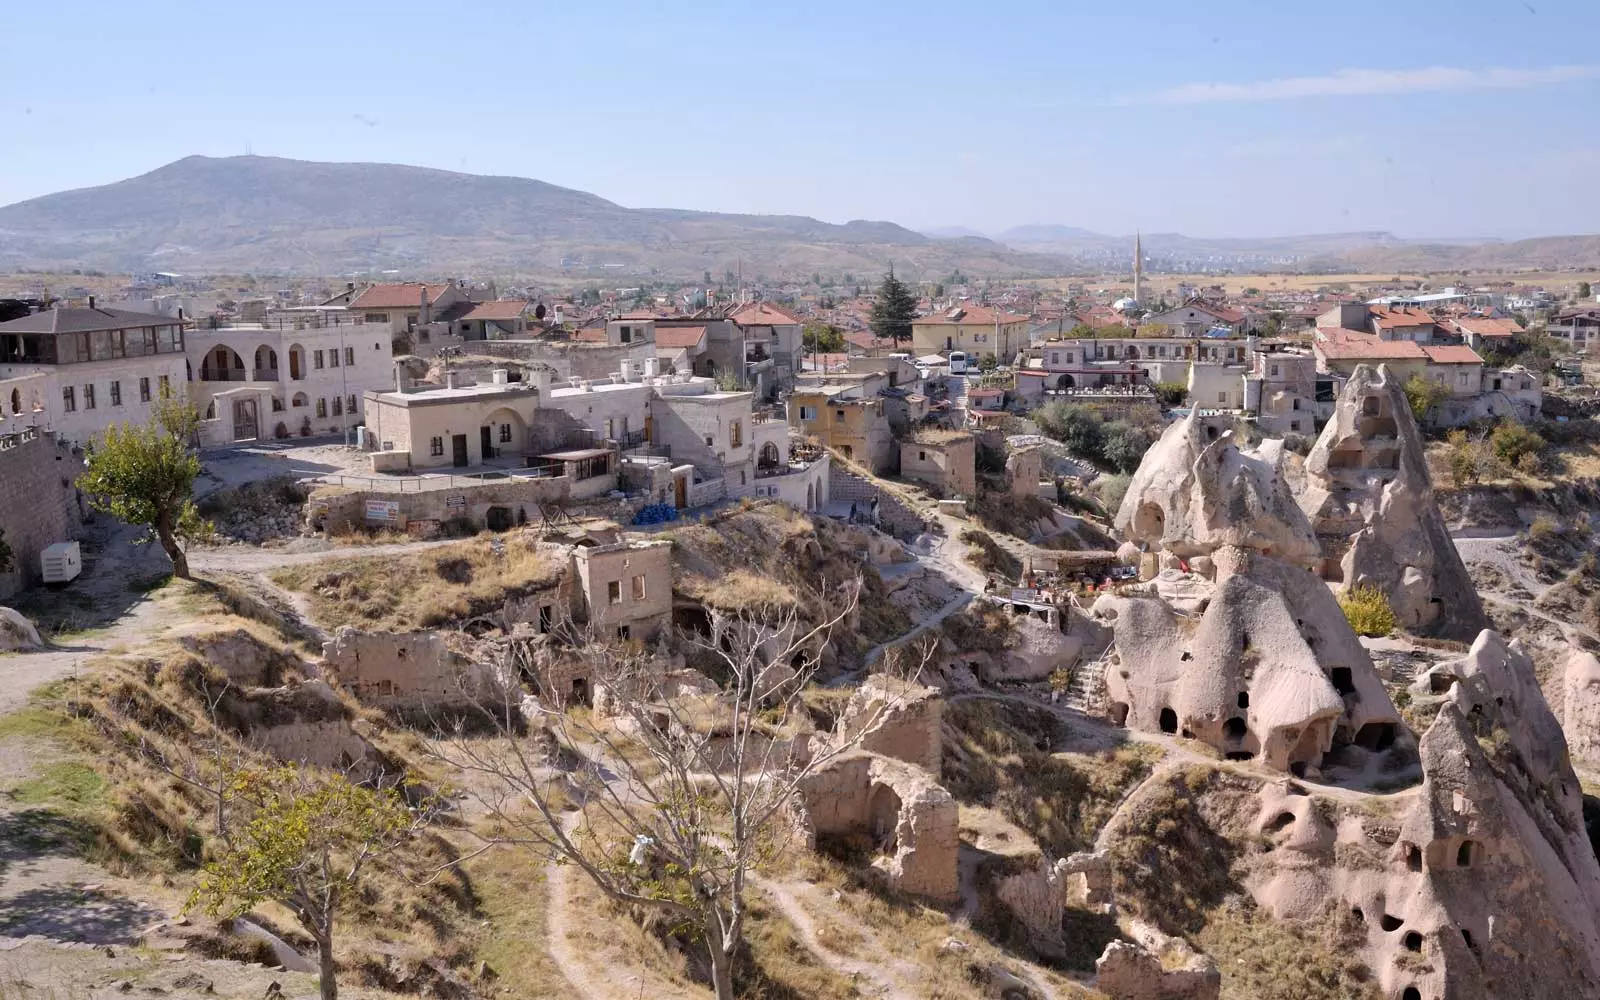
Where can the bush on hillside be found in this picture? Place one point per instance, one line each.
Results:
(1367, 610)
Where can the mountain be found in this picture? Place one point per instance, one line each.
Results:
(1046, 233)
(952, 233)
(257, 213)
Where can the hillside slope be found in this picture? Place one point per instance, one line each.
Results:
(273, 214)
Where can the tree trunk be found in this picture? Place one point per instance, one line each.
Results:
(169, 541)
(721, 961)
(327, 978)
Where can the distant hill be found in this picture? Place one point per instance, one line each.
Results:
(256, 213)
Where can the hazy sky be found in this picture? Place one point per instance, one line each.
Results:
(1423, 117)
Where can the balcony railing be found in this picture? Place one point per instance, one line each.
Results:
(224, 375)
(266, 375)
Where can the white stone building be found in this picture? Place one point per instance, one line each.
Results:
(77, 371)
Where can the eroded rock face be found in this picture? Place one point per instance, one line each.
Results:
(1270, 669)
(1581, 711)
(897, 719)
(908, 816)
(16, 632)
(1480, 885)
(1196, 491)
(1367, 493)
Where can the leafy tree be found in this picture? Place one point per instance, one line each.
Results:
(1123, 445)
(1368, 611)
(1077, 427)
(822, 338)
(988, 363)
(893, 309)
(145, 476)
(8, 560)
(1423, 395)
(1512, 441)
(309, 843)
(1082, 331)
(1171, 393)
(1584, 291)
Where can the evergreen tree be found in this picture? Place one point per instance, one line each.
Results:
(893, 310)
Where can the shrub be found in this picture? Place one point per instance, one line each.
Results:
(1367, 610)
(1123, 445)
(1111, 490)
(1171, 393)
(1300, 444)
(1423, 395)
(1512, 441)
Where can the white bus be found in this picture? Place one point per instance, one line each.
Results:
(958, 362)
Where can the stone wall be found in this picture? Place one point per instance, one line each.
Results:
(335, 508)
(411, 673)
(38, 503)
(895, 515)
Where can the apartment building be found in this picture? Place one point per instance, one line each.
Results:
(977, 330)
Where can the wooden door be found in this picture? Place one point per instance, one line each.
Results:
(458, 444)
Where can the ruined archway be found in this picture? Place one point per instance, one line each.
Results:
(883, 819)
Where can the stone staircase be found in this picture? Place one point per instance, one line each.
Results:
(958, 390)
(1086, 693)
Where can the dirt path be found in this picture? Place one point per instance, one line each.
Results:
(558, 887)
(878, 978)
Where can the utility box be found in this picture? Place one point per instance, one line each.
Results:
(61, 562)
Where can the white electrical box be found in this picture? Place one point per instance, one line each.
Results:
(61, 562)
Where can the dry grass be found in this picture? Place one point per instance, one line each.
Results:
(993, 757)
(1263, 957)
(742, 590)
(428, 589)
(515, 907)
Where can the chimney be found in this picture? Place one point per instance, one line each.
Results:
(399, 379)
(349, 286)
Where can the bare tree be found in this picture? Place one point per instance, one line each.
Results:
(225, 761)
(681, 789)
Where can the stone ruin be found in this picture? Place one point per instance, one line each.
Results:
(1257, 659)
(1367, 493)
(1155, 966)
(887, 789)
(1036, 892)
(415, 675)
(911, 820)
(1481, 884)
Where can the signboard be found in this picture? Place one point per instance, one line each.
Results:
(387, 511)
(455, 503)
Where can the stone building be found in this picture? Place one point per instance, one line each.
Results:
(38, 502)
(854, 426)
(943, 459)
(626, 587)
(80, 370)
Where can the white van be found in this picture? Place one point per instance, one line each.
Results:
(958, 362)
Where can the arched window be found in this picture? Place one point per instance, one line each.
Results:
(769, 456)
(16, 400)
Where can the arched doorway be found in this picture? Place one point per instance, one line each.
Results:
(503, 432)
(883, 819)
(768, 459)
(811, 496)
(297, 362)
(16, 400)
(266, 369)
(1065, 382)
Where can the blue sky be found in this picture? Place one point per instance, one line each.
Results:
(1213, 118)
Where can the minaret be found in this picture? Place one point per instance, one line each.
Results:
(1138, 270)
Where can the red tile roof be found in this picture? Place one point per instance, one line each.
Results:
(970, 316)
(1344, 345)
(1483, 327)
(762, 314)
(396, 296)
(590, 335)
(1387, 317)
(1451, 354)
(675, 337)
(497, 309)
(865, 340)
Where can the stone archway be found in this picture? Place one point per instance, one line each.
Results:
(883, 819)
(266, 364)
(223, 364)
(1066, 382)
(506, 432)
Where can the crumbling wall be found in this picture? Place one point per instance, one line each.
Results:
(897, 719)
(411, 673)
(910, 819)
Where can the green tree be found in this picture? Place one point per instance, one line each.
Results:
(1123, 445)
(1423, 395)
(309, 844)
(822, 338)
(145, 476)
(1584, 291)
(1512, 441)
(1171, 393)
(1082, 331)
(1077, 427)
(893, 309)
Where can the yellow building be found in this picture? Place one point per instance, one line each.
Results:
(856, 428)
(977, 330)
